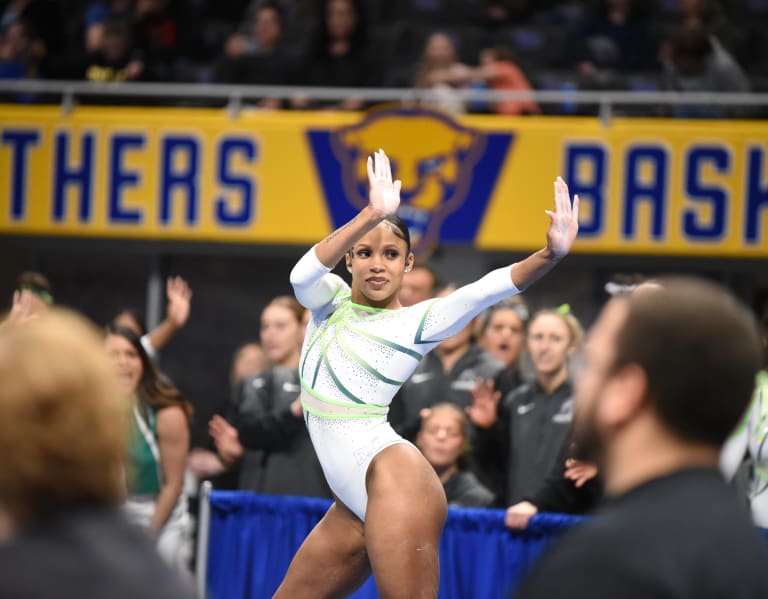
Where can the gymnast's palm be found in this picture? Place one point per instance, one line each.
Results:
(384, 195)
(563, 222)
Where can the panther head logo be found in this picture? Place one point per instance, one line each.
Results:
(433, 156)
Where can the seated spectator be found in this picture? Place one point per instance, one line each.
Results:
(499, 71)
(97, 15)
(709, 16)
(532, 422)
(166, 35)
(444, 440)
(339, 57)
(694, 61)
(614, 37)
(158, 447)
(17, 55)
(438, 68)
(117, 59)
(44, 21)
(259, 58)
(62, 438)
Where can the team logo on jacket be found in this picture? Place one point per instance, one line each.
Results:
(448, 171)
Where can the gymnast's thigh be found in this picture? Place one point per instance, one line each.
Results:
(404, 520)
(332, 561)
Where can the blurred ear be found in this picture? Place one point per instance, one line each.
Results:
(409, 262)
(624, 396)
(348, 261)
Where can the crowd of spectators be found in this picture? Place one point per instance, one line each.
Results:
(689, 45)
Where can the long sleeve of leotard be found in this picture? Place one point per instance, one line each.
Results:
(313, 283)
(448, 315)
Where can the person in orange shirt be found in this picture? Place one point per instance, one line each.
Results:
(497, 70)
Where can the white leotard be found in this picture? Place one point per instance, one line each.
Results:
(355, 358)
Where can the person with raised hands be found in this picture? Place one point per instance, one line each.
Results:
(360, 346)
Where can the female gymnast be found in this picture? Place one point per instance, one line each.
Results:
(360, 346)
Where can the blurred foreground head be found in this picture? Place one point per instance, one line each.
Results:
(62, 419)
(682, 354)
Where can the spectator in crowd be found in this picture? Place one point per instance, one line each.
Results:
(44, 21)
(248, 360)
(165, 34)
(259, 58)
(502, 334)
(444, 441)
(97, 15)
(158, 447)
(419, 284)
(709, 16)
(437, 68)
(498, 70)
(694, 61)
(265, 433)
(17, 56)
(177, 314)
(296, 16)
(667, 375)
(614, 37)
(340, 56)
(749, 440)
(501, 12)
(117, 59)
(31, 299)
(532, 422)
(62, 425)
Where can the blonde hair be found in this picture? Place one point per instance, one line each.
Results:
(575, 330)
(63, 419)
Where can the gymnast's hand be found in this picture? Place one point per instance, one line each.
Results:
(563, 222)
(384, 196)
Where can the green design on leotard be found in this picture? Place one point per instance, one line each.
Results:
(367, 367)
(391, 344)
(423, 322)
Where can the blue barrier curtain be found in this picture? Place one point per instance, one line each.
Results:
(254, 537)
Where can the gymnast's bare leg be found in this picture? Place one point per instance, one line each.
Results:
(331, 562)
(404, 520)
(399, 541)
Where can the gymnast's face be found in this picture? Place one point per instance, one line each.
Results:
(377, 263)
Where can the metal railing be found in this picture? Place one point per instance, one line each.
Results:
(237, 96)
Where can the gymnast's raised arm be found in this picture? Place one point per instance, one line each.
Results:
(313, 289)
(450, 314)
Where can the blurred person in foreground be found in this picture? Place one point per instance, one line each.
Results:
(62, 438)
(666, 376)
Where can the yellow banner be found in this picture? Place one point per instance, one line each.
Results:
(688, 188)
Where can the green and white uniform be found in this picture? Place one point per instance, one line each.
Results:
(144, 480)
(752, 438)
(355, 358)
